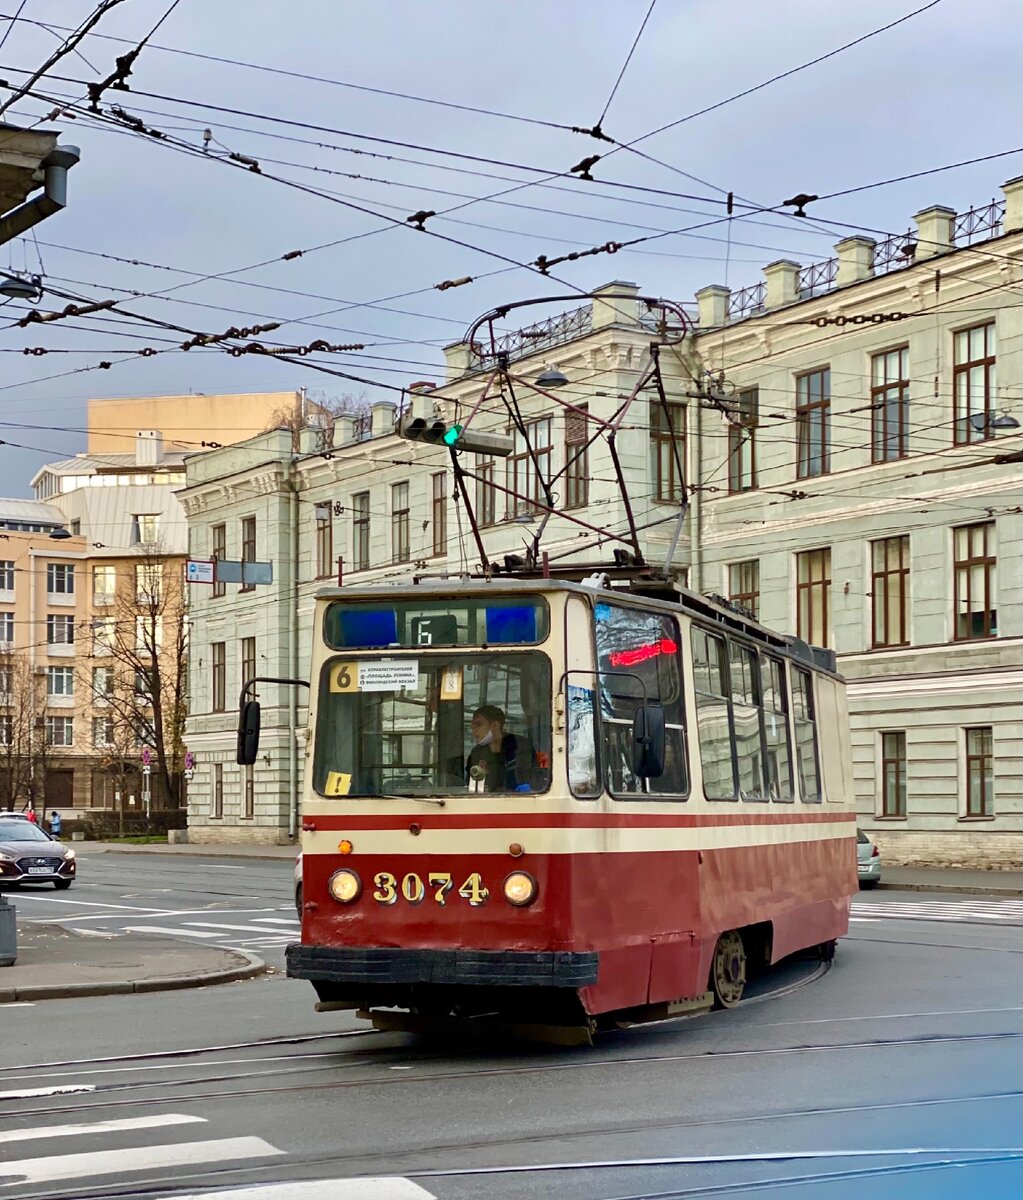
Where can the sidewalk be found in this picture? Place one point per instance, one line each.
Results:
(54, 963)
(913, 879)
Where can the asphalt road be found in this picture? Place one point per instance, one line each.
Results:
(872, 1077)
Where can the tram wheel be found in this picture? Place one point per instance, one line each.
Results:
(728, 971)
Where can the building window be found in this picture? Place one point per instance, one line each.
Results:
(980, 772)
(104, 635)
(60, 579)
(249, 810)
(973, 384)
(102, 683)
(528, 473)
(248, 659)
(218, 685)
(324, 541)
(439, 512)
(668, 434)
(399, 523)
(248, 549)
(145, 529)
(6, 575)
(893, 774)
(577, 459)
(889, 405)
(889, 591)
(7, 627)
(148, 633)
(217, 808)
(813, 596)
(6, 682)
(813, 421)
(60, 630)
(218, 551)
(976, 605)
(104, 585)
(102, 732)
(6, 729)
(742, 458)
(360, 531)
(60, 681)
(744, 585)
(486, 495)
(59, 731)
(148, 581)
(143, 685)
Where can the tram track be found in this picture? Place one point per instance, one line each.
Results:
(127, 1093)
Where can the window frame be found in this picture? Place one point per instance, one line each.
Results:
(986, 777)
(804, 626)
(742, 459)
(881, 401)
(963, 432)
(577, 458)
(522, 469)
(324, 542)
(64, 573)
(7, 569)
(962, 570)
(249, 532)
(744, 586)
(439, 512)
(900, 760)
(361, 531)
(879, 590)
(217, 793)
(401, 547)
(811, 411)
(246, 659)
(63, 621)
(67, 725)
(218, 552)
(664, 433)
(66, 675)
(218, 677)
(486, 495)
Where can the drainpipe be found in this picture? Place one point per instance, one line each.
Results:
(56, 166)
(292, 610)
(696, 547)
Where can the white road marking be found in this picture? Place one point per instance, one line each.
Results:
(59, 1090)
(376, 1188)
(117, 1126)
(19, 1004)
(165, 912)
(135, 1159)
(278, 921)
(88, 903)
(189, 925)
(175, 931)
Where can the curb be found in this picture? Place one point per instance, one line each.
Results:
(956, 888)
(123, 987)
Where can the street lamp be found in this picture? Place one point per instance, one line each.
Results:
(60, 534)
(17, 288)
(551, 377)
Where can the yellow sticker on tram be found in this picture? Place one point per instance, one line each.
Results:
(451, 683)
(344, 677)
(339, 783)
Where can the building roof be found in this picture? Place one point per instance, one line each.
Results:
(33, 512)
(91, 464)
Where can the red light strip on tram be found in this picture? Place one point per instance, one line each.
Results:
(629, 658)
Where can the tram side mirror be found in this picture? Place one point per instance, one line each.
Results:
(648, 741)
(248, 733)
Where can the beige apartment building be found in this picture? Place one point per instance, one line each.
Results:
(851, 456)
(93, 627)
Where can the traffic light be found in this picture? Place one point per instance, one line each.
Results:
(439, 433)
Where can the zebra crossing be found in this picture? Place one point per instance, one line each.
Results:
(137, 1146)
(960, 910)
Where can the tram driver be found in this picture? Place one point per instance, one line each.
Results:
(498, 761)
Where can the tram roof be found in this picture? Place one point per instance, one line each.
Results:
(666, 595)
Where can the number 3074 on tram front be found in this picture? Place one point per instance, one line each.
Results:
(563, 807)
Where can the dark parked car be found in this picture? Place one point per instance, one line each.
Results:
(28, 855)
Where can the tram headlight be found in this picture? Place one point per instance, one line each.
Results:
(345, 886)
(520, 889)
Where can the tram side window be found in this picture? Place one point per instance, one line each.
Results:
(637, 657)
(744, 675)
(709, 670)
(806, 736)
(777, 750)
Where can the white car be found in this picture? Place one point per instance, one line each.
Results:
(868, 861)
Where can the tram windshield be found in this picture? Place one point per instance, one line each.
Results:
(405, 726)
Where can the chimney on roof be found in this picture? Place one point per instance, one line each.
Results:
(148, 448)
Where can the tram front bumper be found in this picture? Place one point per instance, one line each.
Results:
(483, 968)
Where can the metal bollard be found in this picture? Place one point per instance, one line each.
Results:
(8, 933)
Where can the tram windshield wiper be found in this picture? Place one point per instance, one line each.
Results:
(421, 799)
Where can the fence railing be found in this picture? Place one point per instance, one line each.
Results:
(747, 301)
(544, 335)
(817, 278)
(979, 223)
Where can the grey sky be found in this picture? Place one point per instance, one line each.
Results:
(938, 88)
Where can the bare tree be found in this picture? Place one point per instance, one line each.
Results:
(317, 410)
(23, 748)
(146, 639)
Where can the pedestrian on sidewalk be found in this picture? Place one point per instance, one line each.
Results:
(55, 824)
(31, 814)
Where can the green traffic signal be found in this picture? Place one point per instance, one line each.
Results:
(452, 435)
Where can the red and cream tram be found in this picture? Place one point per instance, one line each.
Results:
(662, 802)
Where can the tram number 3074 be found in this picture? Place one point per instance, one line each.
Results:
(413, 888)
